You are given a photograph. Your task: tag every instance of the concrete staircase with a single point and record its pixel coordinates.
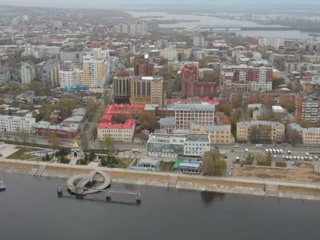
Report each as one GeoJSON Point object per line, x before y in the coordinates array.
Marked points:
{"type": "Point", "coordinates": [39, 171]}
{"type": "Point", "coordinates": [272, 190]}
{"type": "Point", "coordinates": [172, 181]}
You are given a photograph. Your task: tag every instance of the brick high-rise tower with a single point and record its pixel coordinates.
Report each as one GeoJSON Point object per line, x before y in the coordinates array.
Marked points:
{"type": "Point", "coordinates": [142, 67]}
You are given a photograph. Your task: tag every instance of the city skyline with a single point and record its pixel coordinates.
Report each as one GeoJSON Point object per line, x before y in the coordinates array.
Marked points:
{"type": "Point", "coordinates": [106, 4]}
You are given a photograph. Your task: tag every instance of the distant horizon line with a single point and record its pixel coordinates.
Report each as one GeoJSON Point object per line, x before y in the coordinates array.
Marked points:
{"type": "Point", "coordinates": [110, 6]}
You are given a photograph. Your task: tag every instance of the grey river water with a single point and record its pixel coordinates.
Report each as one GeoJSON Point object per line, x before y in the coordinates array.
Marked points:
{"type": "Point", "coordinates": [210, 20]}
{"type": "Point", "coordinates": [31, 210]}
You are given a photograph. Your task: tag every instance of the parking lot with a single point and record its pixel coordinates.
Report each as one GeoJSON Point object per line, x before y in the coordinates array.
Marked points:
{"type": "Point", "coordinates": [278, 154]}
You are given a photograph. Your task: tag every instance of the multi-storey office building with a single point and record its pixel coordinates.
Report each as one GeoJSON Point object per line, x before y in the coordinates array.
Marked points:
{"type": "Point", "coordinates": [260, 131]}
{"type": "Point", "coordinates": [146, 90]}
{"type": "Point", "coordinates": [186, 114]}
{"type": "Point", "coordinates": [173, 145]}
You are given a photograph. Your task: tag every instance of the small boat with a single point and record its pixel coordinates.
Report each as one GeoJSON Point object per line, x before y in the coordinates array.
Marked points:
{"type": "Point", "coordinates": [2, 185]}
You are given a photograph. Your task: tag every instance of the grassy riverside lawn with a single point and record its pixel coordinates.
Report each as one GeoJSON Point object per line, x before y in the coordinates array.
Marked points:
{"type": "Point", "coordinates": [27, 144]}
{"type": "Point", "coordinates": [123, 163]}
{"type": "Point", "coordinates": [21, 154]}
{"type": "Point", "coordinates": [167, 166]}
{"type": "Point", "coordinates": [281, 164]}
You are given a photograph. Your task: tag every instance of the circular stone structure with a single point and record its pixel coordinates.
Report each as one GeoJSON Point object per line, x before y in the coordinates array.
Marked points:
{"type": "Point", "coordinates": [79, 184]}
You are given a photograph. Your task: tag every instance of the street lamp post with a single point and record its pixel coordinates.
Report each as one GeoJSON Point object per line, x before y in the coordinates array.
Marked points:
{"type": "Point", "coordinates": [135, 152]}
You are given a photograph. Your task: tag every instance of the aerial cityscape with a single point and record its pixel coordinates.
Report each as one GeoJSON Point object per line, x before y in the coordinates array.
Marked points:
{"type": "Point", "coordinates": [112, 114]}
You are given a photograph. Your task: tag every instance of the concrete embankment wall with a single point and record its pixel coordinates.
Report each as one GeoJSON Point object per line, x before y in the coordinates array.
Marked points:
{"type": "Point", "coordinates": [198, 183]}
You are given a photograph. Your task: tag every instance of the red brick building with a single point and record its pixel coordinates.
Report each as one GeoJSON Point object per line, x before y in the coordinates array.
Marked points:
{"type": "Point", "coordinates": [191, 87]}
{"type": "Point", "coordinates": [142, 67]}
{"type": "Point", "coordinates": [285, 100]}
{"type": "Point", "coordinates": [69, 131]}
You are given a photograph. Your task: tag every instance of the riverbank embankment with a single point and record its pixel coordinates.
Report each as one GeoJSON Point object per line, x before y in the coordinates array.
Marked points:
{"type": "Point", "coordinates": [248, 186]}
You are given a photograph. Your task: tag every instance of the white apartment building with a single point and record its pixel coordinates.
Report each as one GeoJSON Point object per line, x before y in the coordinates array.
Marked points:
{"type": "Point", "coordinates": [170, 53]}
{"type": "Point", "coordinates": [70, 79]}
{"type": "Point", "coordinates": [271, 41]}
{"type": "Point", "coordinates": [27, 72]}
{"type": "Point", "coordinates": [138, 28]}
{"type": "Point", "coordinates": [16, 124]}
{"type": "Point", "coordinates": [93, 71]}
{"type": "Point", "coordinates": [198, 38]}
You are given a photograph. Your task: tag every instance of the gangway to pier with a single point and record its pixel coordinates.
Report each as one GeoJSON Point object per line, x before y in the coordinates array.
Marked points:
{"type": "Point", "coordinates": [85, 180]}
{"type": "Point", "coordinates": [120, 191]}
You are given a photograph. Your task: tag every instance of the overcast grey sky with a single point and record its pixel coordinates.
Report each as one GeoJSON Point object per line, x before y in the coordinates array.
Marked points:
{"type": "Point", "coordinates": [106, 3]}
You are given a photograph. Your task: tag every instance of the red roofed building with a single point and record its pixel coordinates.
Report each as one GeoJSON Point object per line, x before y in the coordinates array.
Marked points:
{"type": "Point", "coordinates": [120, 132]}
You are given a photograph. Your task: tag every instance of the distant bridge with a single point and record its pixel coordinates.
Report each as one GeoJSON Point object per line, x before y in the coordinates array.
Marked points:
{"type": "Point", "coordinates": [242, 28]}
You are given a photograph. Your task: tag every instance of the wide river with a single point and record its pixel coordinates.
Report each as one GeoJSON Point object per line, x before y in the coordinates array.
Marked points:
{"type": "Point", "coordinates": [31, 210]}
{"type": "Point", "coordinates": [210, 20]}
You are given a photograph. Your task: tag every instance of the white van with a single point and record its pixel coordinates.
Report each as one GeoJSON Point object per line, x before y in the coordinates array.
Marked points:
{"type": "Point", "coordinates": [246, 150]}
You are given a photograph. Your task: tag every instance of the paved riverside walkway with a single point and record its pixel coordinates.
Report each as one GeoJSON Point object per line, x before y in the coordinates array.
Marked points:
{"type": "Point", "coordinates": [167, 175]}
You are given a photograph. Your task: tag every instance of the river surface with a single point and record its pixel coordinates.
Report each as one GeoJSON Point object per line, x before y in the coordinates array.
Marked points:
{"type": "Point", "coordinates": [210, 20]}
{"type": "Point", "coordinates": [31, 210]}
